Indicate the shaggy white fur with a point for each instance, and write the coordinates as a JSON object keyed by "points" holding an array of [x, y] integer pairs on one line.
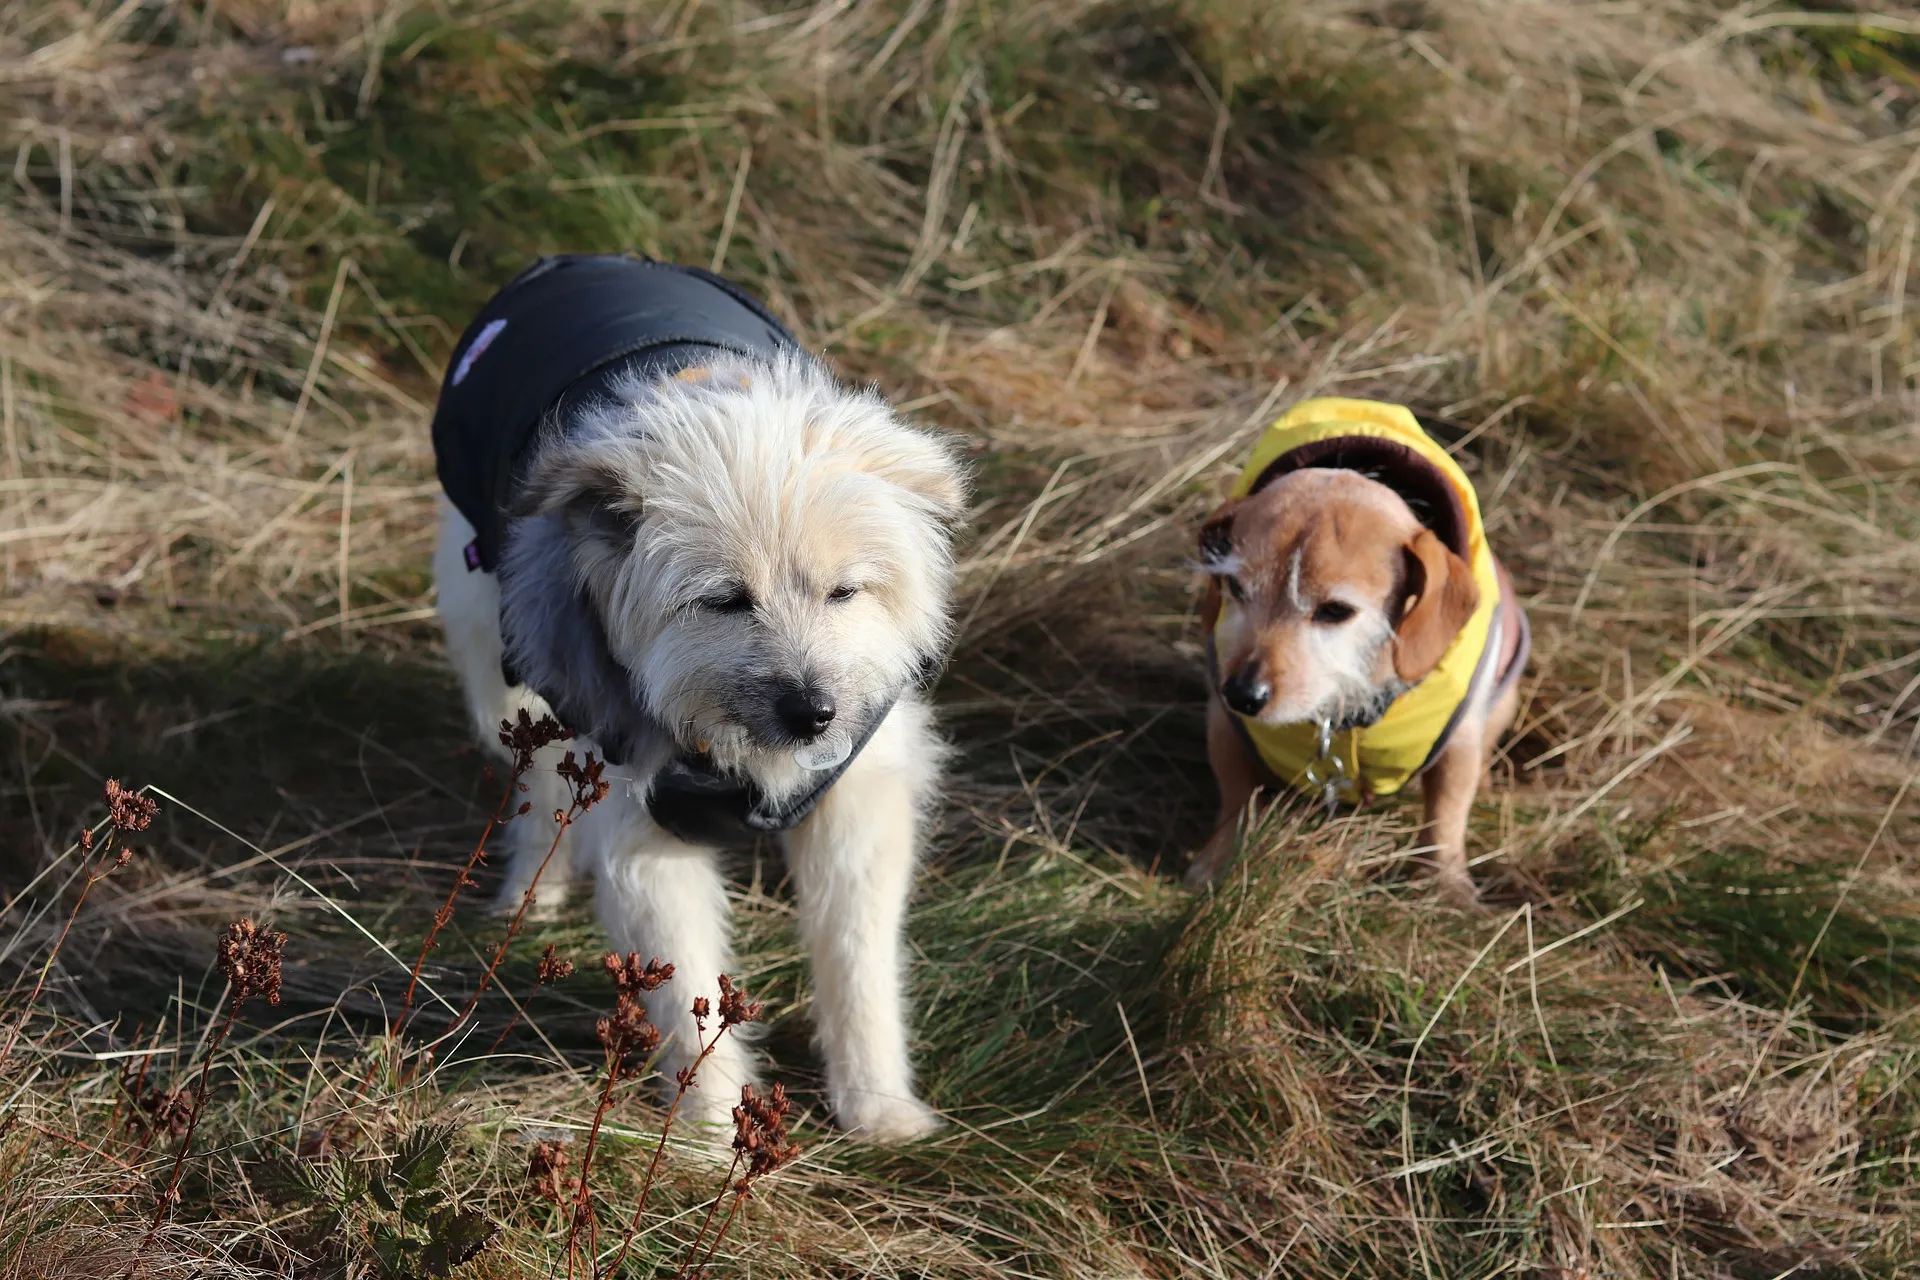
{"points": [[678, 560]]}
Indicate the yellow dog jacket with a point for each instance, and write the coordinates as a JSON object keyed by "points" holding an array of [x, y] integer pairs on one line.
{"points": [[1384, 442]]}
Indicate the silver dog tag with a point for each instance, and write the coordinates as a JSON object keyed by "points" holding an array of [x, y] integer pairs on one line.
{"points": [[823, 753]]}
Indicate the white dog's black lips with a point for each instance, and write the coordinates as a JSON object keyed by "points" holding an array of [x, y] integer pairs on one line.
{"points": [[695, 803]]}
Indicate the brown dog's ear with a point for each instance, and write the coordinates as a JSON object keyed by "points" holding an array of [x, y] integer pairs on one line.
{"points": [[1216, 535], [1210, 605], [1441, 596]]}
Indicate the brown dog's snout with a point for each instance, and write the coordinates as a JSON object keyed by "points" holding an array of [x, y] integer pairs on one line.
{"points": [[1247, 690]]}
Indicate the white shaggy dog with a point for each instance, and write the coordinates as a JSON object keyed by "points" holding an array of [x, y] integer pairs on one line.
{"points": [[747, 565]]}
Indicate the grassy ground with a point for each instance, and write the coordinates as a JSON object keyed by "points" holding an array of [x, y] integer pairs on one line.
{"points": [[1647, 269]]}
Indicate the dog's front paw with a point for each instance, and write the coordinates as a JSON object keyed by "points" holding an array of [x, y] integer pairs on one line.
{"points": [[1205, 863], [1457, 890], [887, 1119]]}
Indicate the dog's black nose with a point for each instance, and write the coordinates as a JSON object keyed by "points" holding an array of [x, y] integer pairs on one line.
{"points": [[1246, 690], [805, 713]]}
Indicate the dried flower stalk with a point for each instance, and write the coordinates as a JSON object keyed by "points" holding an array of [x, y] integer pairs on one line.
{"points": [[127, 812], [735, 1009], [249, 958]]}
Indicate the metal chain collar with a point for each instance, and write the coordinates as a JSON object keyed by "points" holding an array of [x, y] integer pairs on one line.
{"points": [[1331, 781]]}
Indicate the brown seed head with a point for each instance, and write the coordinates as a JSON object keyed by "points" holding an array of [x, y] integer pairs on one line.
{"points": [[547, 1169], [154, 1110], [553, 968], [250, 960], [760, 1132], [589, 788], [168, 1110], [735, 1008], [526, 735], [129, 810], [627, 1035], [631, 977]]}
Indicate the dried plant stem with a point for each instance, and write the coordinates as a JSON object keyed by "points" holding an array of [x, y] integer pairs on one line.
{"points": [[250, 957], [760, 1139], [512, 1022], [76, 1143], [193, 1122], [552, 968], [513, 925], [441, 918], [583, 1194], [739, 1197], [693, 1248], [445, 913], [139, 1084], [102, 869], [686, 1082]]}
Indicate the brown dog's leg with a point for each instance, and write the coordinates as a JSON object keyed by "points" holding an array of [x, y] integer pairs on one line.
{"points": [[1500, 719], [1238, 775], [1449, 788]]}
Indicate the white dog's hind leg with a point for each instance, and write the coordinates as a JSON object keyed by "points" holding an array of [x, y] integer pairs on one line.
{"points": [[665, 899], [852, 862], [469, 605]]}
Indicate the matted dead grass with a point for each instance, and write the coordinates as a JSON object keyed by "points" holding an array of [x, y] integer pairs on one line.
{"points": [[1647, 269]]}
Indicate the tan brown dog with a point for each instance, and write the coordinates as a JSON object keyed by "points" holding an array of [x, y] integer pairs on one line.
{"points": [[1359, 631]]}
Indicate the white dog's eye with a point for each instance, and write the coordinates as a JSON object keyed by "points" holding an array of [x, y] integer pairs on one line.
{"points": [[1332, 613], [845, 591], [733, 600]]}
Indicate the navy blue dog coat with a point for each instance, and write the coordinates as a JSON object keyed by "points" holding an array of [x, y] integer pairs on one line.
{"points": [[561, 333]]}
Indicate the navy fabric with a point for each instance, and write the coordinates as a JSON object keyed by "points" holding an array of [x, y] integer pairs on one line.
{"points": [[566, 318]]}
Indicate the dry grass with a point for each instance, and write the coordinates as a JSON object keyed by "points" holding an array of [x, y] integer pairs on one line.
{"points": [[1647, 267]]}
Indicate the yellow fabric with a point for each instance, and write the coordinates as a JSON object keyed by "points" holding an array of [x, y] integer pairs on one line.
{"points": [[1382, 757]]}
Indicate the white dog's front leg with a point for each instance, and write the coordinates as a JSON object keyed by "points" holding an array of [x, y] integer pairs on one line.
{"points": [[852, 864], [665, 899], [529, 839]]}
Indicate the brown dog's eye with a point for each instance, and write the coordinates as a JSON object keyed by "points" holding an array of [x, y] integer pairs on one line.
{"points": [[1333, 613], [1234, 589]]}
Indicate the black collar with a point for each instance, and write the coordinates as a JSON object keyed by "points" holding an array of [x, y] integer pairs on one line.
{"points": [[693, 802]]}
